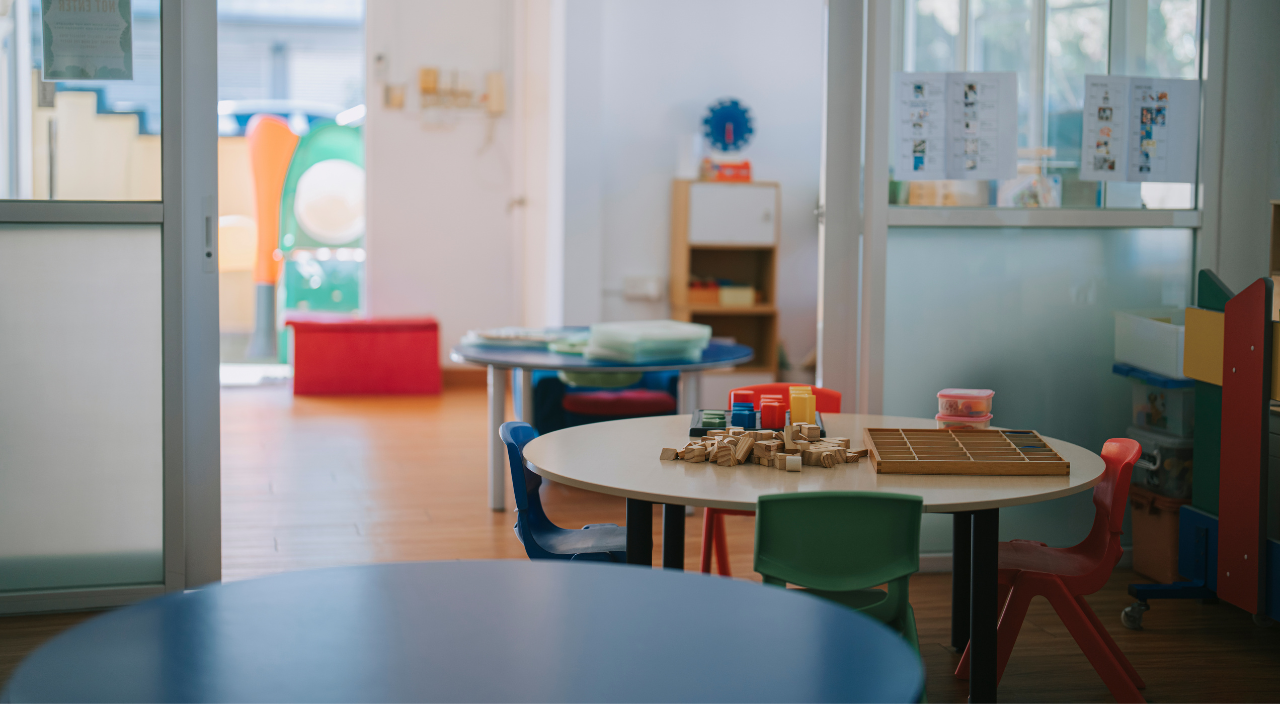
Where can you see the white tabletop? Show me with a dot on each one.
(620, 457)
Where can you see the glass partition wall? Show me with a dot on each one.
(108, 363)
(1050, 45)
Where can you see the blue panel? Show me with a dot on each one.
(1273, 579)
(1027, 312)
(1198, 546)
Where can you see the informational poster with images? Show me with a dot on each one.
(956, 126)
(922, 128)
(87, 39)
(982, 120)
(1140, 129)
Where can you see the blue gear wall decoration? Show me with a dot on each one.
(728, 125)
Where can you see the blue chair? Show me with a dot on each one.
(543, 539)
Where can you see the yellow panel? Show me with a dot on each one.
(1275, 364)
(1202, 349)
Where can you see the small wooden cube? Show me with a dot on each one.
(793, 463)
(717, 433)
(668, 454)
(812, 432)
(842, 442)
(802, 445)
(828, 459)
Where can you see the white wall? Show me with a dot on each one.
(441, 227)
(1250, 142)
(639, 74)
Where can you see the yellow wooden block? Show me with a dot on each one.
(1202, 348)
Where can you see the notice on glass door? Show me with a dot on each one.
(922, 128)
(1140, 129)
(982, 120)
(87, 39)
(956, 126)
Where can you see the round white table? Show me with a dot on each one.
(621, 458)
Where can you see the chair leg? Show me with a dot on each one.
(1111, 643)
(1002, 599)
(1087, 637)
(708, 525)
(721, 545)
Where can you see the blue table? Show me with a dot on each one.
(476, 632)
(523, 360)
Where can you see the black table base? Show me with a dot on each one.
(975, 596)
(640, 534)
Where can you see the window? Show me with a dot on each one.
(1051, 45)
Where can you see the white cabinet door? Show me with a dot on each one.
(732, 214)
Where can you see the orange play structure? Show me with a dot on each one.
(271, 145)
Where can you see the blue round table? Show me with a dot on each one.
(523, 360)
(476, 632)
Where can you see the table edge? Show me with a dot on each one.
(685, 367)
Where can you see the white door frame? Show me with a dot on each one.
(187, 216)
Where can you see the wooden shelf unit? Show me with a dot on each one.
(751, 263)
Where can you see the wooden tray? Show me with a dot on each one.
(963, 452)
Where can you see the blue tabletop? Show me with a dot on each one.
(467, 632)
(717, 355)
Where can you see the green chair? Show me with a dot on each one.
(840, 546)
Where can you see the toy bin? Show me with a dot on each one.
(1165, 465)
(342, 355)
(1161, 403)
(1151, 339)
(960, 422)
(960, 401)
(1155, 534)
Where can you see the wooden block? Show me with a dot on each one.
(828, 459)
(736, 431)
(717, 433)
(788, 437)
(802, 445)
(732, 440)
(812, 432)
(856, 455)
(842, 442)
(793, 463)
(743, 451)
(668, 454)
(840, 455)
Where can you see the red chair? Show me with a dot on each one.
(713, 538)
(1065, 575)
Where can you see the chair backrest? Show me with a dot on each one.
(838, 541)
(524, 482)
(1112, 492)
(828, 401)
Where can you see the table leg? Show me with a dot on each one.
(961, 534)
(524, 377)
(673, 537)
(497, 451)
(690, 383)
(639, 532)
(983, 600)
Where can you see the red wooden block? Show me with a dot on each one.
(1246, 394)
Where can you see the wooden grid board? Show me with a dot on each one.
(963, 452)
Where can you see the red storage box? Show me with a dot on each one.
(362, 356)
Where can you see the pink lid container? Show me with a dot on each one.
(981, 422)
(966, 402)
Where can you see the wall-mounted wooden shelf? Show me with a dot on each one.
(733, 234)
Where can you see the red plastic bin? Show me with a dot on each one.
(365, 356)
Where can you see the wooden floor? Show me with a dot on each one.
(320, 482)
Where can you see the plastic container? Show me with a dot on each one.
(1154, 522)
(647, 341)
(982, 422)
(1151, 339)
(1165, 465)
(964, 402)
(1161, 403)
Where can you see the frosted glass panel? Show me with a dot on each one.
(1026, 312)
(80, 406)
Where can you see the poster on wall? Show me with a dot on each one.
(956, 126)
(87, 39)
(1140, 129)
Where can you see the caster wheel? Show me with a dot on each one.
(1263, 621)
(1131, 617)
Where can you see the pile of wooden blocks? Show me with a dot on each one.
(794, 446)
